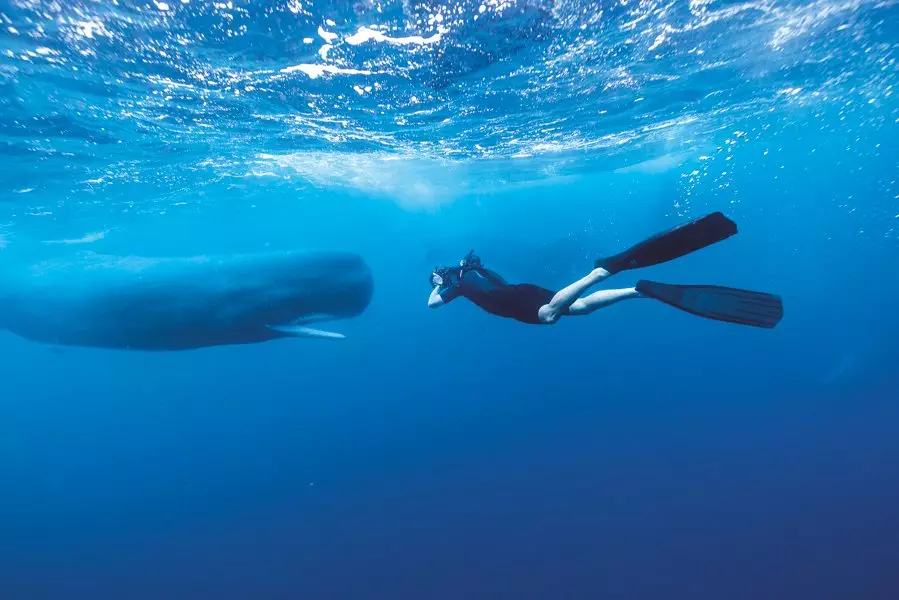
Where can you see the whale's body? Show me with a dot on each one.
(183, 303)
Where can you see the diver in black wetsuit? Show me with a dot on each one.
(540, 306)
(523, 302)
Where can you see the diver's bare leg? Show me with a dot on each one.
(601, 299)
(564, 298)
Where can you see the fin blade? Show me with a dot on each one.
(672, 243)
(732, 305)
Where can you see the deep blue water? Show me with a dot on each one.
(639, 453)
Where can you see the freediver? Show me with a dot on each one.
(540, 306)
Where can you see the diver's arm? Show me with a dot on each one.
(436, 300)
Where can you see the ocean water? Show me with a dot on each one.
(638, 453)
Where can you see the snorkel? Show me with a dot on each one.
(470, 262)
(445, 276)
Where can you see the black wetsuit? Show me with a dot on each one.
(488, 290)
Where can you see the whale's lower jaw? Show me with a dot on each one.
(299, 327)
(307, 332)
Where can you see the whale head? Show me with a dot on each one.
(301, 288)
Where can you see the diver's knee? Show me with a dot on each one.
(547, 314)
(578, 307)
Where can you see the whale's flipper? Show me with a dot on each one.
(299, 331)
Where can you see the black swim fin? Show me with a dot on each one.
(673, 243)
(732, 305)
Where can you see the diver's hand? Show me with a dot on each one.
(436, 280)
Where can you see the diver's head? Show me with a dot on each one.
(471, 261)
